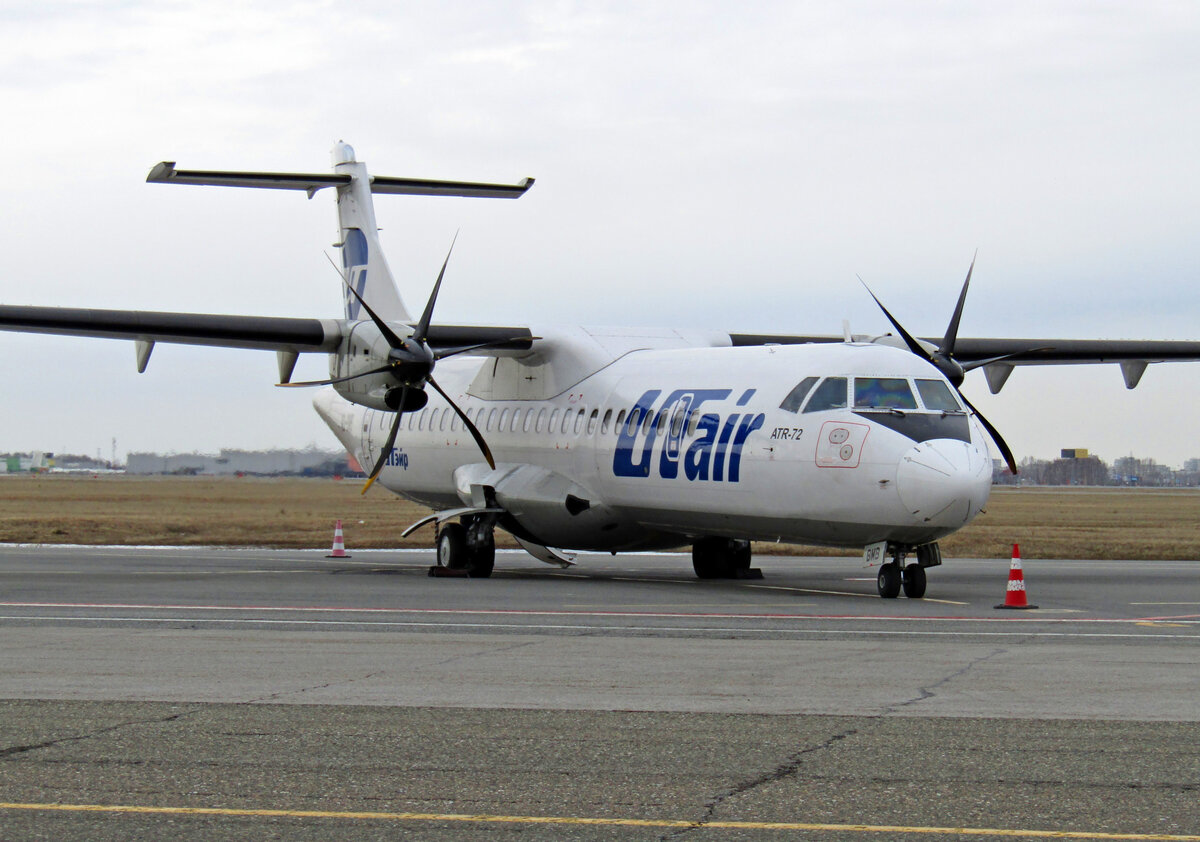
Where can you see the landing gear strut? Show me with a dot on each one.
(723, 558)
(467, 548)
(896, 575)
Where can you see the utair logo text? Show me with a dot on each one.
(397, 458)
(715, 437)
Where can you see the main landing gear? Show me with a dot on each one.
(466, 549)
(895, 575)
(723, 558)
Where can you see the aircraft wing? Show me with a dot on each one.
(270, 333)
(1133, 355)
(261, 332)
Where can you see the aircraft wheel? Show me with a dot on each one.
(914, 581)
(888, 580)
(482, 558)
(739, 556)
(452, 547)
(706, 558)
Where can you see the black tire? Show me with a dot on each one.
(482, 559)
(914, 581)
(708, 559)
(888, 580)
(739, 557)
(452, 547)
(720, 558)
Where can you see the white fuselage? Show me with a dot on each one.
(623, 444)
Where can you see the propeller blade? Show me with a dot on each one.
(495, 343)
(393, 340)
(389, 334)
(995, 434)
(913, 345)
(387, 445)
(947, 346)
(990, 360)
(478, 436)
(379, 370)
(422, 329)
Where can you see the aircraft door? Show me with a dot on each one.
(366, 451)
(677, 416)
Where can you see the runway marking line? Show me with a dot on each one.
(588, 820)
(1188, 619)
(518, 627)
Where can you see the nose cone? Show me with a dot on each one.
(944, 482)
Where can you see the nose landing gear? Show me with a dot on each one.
(895, 575)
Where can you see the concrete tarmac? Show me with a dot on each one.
(285, 695)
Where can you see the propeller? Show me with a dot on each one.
(410, 361)
(943, 360)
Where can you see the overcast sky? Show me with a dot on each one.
(703, 164)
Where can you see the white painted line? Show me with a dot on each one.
(658, 615)
(591, 628)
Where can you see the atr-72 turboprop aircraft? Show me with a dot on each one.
(620, 440)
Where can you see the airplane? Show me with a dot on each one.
(576, 438)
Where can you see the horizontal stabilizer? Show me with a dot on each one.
(165, 173)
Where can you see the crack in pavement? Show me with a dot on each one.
(792, 764)
(925, 693)
(10, 751)
(270, 697)
(786, 769)
(490, 650)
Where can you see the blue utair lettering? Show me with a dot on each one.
(354, 258)
(716, 442)
(397, 458)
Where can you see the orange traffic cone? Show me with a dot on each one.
(339, 543)
(1014, 597)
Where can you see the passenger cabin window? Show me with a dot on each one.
(936, 395)
(796, 397)
(831, 394)
(883, 393)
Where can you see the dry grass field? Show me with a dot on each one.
(57, 509)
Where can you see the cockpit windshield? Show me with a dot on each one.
(936, 395)
(796, 397)
(883, 392)
(831, 394)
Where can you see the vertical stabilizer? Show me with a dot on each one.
(362, 257)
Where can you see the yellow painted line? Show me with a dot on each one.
(584, 820)
(1158, 625)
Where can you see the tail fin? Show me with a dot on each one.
(362, 256)
(365, 266)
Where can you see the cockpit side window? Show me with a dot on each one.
(831, 394)
(885, 392)
(796, 397)
(936, 395)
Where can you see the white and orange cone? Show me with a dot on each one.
(339, 543)
(1014, 597)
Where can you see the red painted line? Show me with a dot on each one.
(630, 614)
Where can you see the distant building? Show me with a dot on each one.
(253, 462)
